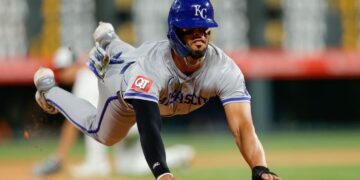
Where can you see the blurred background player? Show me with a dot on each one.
(96, 161)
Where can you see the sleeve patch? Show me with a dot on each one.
(142, 84)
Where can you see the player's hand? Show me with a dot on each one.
(263, 173)
(267, 176)
(98, 61)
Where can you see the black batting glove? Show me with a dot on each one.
(258, 171)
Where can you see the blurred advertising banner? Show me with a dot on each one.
(255, 64)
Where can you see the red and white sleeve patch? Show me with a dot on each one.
(142, 84)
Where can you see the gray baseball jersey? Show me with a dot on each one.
(149, 73)
(154, 77)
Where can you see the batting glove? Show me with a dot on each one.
(98, 61)
(258, 171)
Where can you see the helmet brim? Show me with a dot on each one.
(207, 23)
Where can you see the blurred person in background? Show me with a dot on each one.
(96, 162)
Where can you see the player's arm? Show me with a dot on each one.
(240, 122)
(149, 125)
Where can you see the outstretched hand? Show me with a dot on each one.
(167, 177)
(263, 173)
(269, 176)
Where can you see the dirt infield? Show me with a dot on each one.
(21, 170)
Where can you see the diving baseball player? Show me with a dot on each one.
(163, 78)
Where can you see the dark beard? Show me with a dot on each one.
(197, 54)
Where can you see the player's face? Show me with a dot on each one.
(197, 39)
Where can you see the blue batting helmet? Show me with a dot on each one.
(188, 14)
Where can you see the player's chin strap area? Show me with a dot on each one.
(186, 60)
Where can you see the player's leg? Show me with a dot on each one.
(68, 138)
(80, 112)
(54, 163)
(114, 116)
(129, 150)
(96, 153)
(179, 155)
(96, 163)
(109, 124)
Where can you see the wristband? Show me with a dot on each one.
(258, 171)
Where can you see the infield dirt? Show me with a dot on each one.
(21, 169)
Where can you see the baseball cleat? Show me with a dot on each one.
(44, 80)
(104, 34)
(48, 167)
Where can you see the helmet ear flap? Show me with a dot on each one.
(176, 42)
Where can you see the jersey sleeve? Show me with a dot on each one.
(143, 83)
(231, 85)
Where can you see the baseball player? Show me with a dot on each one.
(96, 162)
(163, 78)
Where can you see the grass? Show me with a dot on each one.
(320, 172)
(312, 140)
(278, 143)
(222, 145)
(33, 149)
